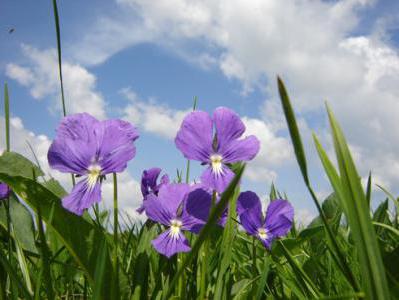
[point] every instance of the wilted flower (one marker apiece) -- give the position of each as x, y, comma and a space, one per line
278, 221
4, 191
90, 148
197, 141
149, 184
180, 208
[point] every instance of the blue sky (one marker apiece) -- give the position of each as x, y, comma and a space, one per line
145, 61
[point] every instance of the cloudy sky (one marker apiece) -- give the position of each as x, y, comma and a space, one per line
144, 61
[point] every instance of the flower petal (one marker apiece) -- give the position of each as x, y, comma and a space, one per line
70, 156
196, 210
195, 136
169, 245
4, 191
249, 210
240, 150
279, 217
78, 127
267, 243
82, 197
149, 180
229, 126
115, 148
217, 182
163, 208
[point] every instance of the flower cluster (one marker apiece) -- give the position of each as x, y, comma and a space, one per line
91, 149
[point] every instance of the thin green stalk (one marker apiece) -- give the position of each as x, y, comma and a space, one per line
254, 268
116, 212
7, 116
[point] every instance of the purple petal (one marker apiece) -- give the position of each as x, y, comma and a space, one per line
115, 145
195, 137
78, 127
141, 209
217, 182
163, 208
164, 180
82, 197
196, 210
4, 191
169, 245
279, 217
149, 180
267, 243
240, 150
249, 210
229, 126
71, 156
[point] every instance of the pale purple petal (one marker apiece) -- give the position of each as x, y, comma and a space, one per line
82, 197
4, 191
195, 136
169, 245
164, 207
279, 217
115, 145
164, 180
228, 125
240, 150
196, 210
149, 180
217, 182
249, 210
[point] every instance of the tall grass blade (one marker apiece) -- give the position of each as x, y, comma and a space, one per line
7, 116
358, 215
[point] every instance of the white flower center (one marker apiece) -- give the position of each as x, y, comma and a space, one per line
262, 233
175, 226
94, 172
216, 163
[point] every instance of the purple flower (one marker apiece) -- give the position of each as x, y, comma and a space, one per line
4, 191
91, 149
180, 208
149, 184
278, 221
197, 141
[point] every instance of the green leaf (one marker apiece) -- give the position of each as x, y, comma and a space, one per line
15, 164
358, 215
293, 129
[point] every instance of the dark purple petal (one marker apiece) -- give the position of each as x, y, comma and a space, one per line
279, 217
149, 180
267, 243
217, 182
196, 210
82, 197
228, 125
240, 150
115, 145
141, 209
168, 244
163, 208
195, 137
4, 191
249, 210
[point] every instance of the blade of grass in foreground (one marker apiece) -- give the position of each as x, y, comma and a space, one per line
300, 156
7, 116
214, 216
358, 215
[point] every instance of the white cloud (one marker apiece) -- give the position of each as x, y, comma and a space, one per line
304, 216
42, 79
155, 118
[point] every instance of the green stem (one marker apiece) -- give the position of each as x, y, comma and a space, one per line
254, 268
116, 265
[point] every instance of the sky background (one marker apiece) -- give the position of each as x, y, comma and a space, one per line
144, 61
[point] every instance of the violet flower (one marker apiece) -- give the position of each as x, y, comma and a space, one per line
278, 221
90, 149
180, 208
197, 141
4, 191
149, 184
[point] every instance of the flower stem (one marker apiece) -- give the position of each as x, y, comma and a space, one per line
116, 265
255, 270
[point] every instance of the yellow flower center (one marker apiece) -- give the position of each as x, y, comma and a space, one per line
94, 172
262, 233
216, 163
175, 226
